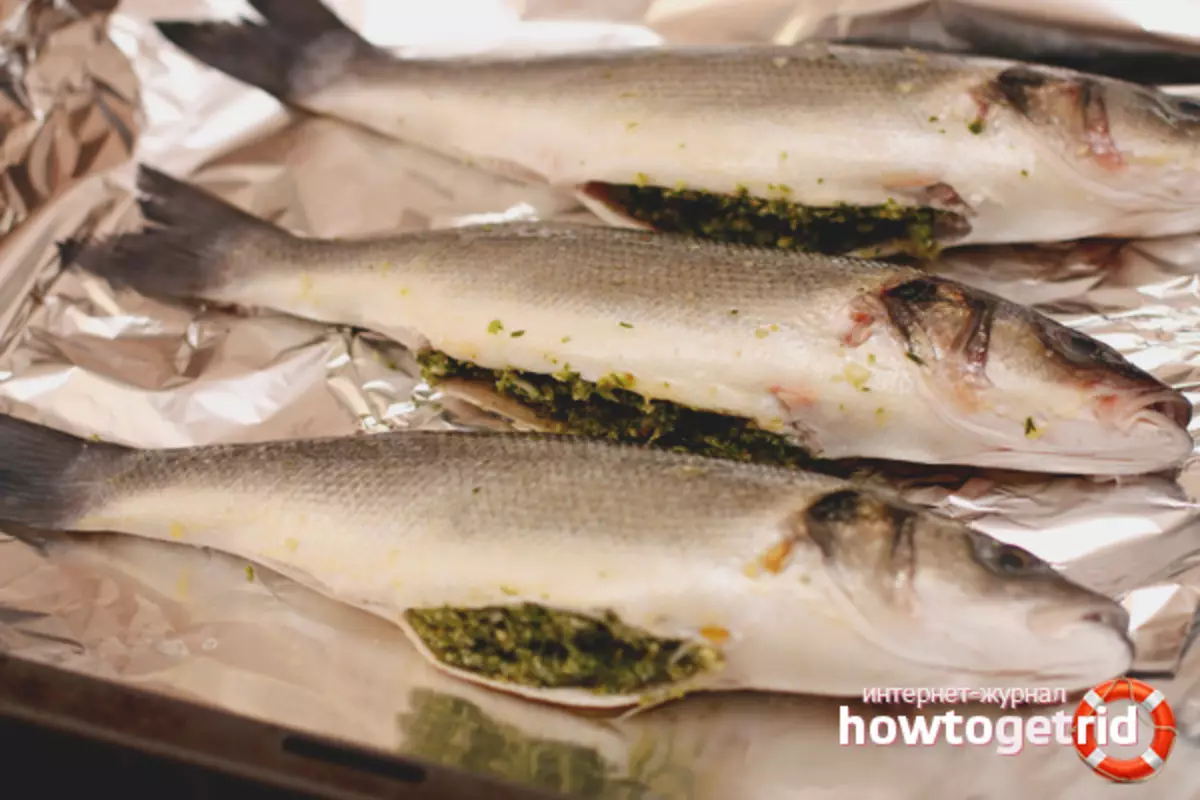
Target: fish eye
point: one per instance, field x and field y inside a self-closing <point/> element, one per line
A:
<point x="1076" y="345"/>
<point x="1013" y="559"/>
<point x="1081" y="349"/>
<point x="1189" y="107"/>
<point x="1185" y="107"/>
<point x="1005" y="559"/>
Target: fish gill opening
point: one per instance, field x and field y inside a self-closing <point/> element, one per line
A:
<point x="743" y="218"/>
<point x="532" y="645"/>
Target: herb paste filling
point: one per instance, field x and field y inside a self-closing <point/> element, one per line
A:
<point x="535" y="646"/>
<point x="607" y="409"/>
<point x="777" y="222"/>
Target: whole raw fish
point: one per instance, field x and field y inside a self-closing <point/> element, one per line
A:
<point x="848" y="358"/>
<point x="1016" y="152"/>
<point x="595" y="574"/>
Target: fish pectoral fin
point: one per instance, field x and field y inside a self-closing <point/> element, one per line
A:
<point x="483" y="396"/>
<point x="928" y="191"/>
<point x="795" y="403"/>
<point x="556" y="656"/>
<point x="599" y="199"/>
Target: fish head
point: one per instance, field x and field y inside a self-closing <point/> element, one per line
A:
<point x="1117" y="136"/>
<point x="1026" y="392"/>
<point x="903" y="573"/>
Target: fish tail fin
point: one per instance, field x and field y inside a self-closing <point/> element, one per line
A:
<point x="300" y="48"/>
<point x="191" y="244"/>
<point x="48" y="478"/>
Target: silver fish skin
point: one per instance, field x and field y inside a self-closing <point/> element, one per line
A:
<point x="849" y="358"/>
<point x="816" y="585"/>
<point x="1019" y="152"/>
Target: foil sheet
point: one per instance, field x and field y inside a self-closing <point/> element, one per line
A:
<point x="89" y="89"/>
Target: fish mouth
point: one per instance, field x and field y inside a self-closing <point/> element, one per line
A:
<point x="1101" y="621"/>
<point x="1154" y="405"/>
<point x="1092" y="647"/>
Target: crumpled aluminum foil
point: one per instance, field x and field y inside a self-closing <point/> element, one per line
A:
<point x="81" y="357"/>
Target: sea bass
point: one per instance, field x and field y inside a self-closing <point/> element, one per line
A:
<point x="1014" y="152"/>
<point x="593" y="574"/>
<point x="848" y="358"/>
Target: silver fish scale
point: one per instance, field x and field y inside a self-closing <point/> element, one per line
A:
<point x="588" y="269"/>
<point x="486" y="486"/>
<point x="808" y="79"/>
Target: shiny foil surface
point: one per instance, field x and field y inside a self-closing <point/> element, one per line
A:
<point x="90" y="88"/>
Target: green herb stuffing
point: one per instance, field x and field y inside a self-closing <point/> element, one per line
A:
<point x="778" y="222"/>
<point x="608" y="409"/>
<point x="532" y="645"/>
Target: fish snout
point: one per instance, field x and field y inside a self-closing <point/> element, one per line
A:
<point x="1101" y="612"/>
<point x="1156" y="404"/>
<point x="1108" y="615"/>
<point x="1171" y="405"/>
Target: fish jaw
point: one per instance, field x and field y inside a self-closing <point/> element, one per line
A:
<point x="1002" y="653"/>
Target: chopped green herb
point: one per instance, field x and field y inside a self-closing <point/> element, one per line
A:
<point x="495" y="326"/>
<point x="533" y="645"/>
<point x="778" y="222"/>
<point x="609" y="409"/>
<point x="624" y="324"/>
<point x="517" y="334"/>
<point x="933" y="118"/>
<point x="975" y="126"/>
<point x="566" y="339"/>
<point x="250" y="572"/>
<point x="1031" y="429"/>
<point x="1024" y="173"/>
<point x="916" y="359"/>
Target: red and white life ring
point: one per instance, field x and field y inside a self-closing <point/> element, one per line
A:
<point x="1126" y="769"/>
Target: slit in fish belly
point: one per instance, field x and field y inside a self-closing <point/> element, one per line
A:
<point x="610" y="409"/>
<point x="742" y="218"/>
<point x="535" y="646"/>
